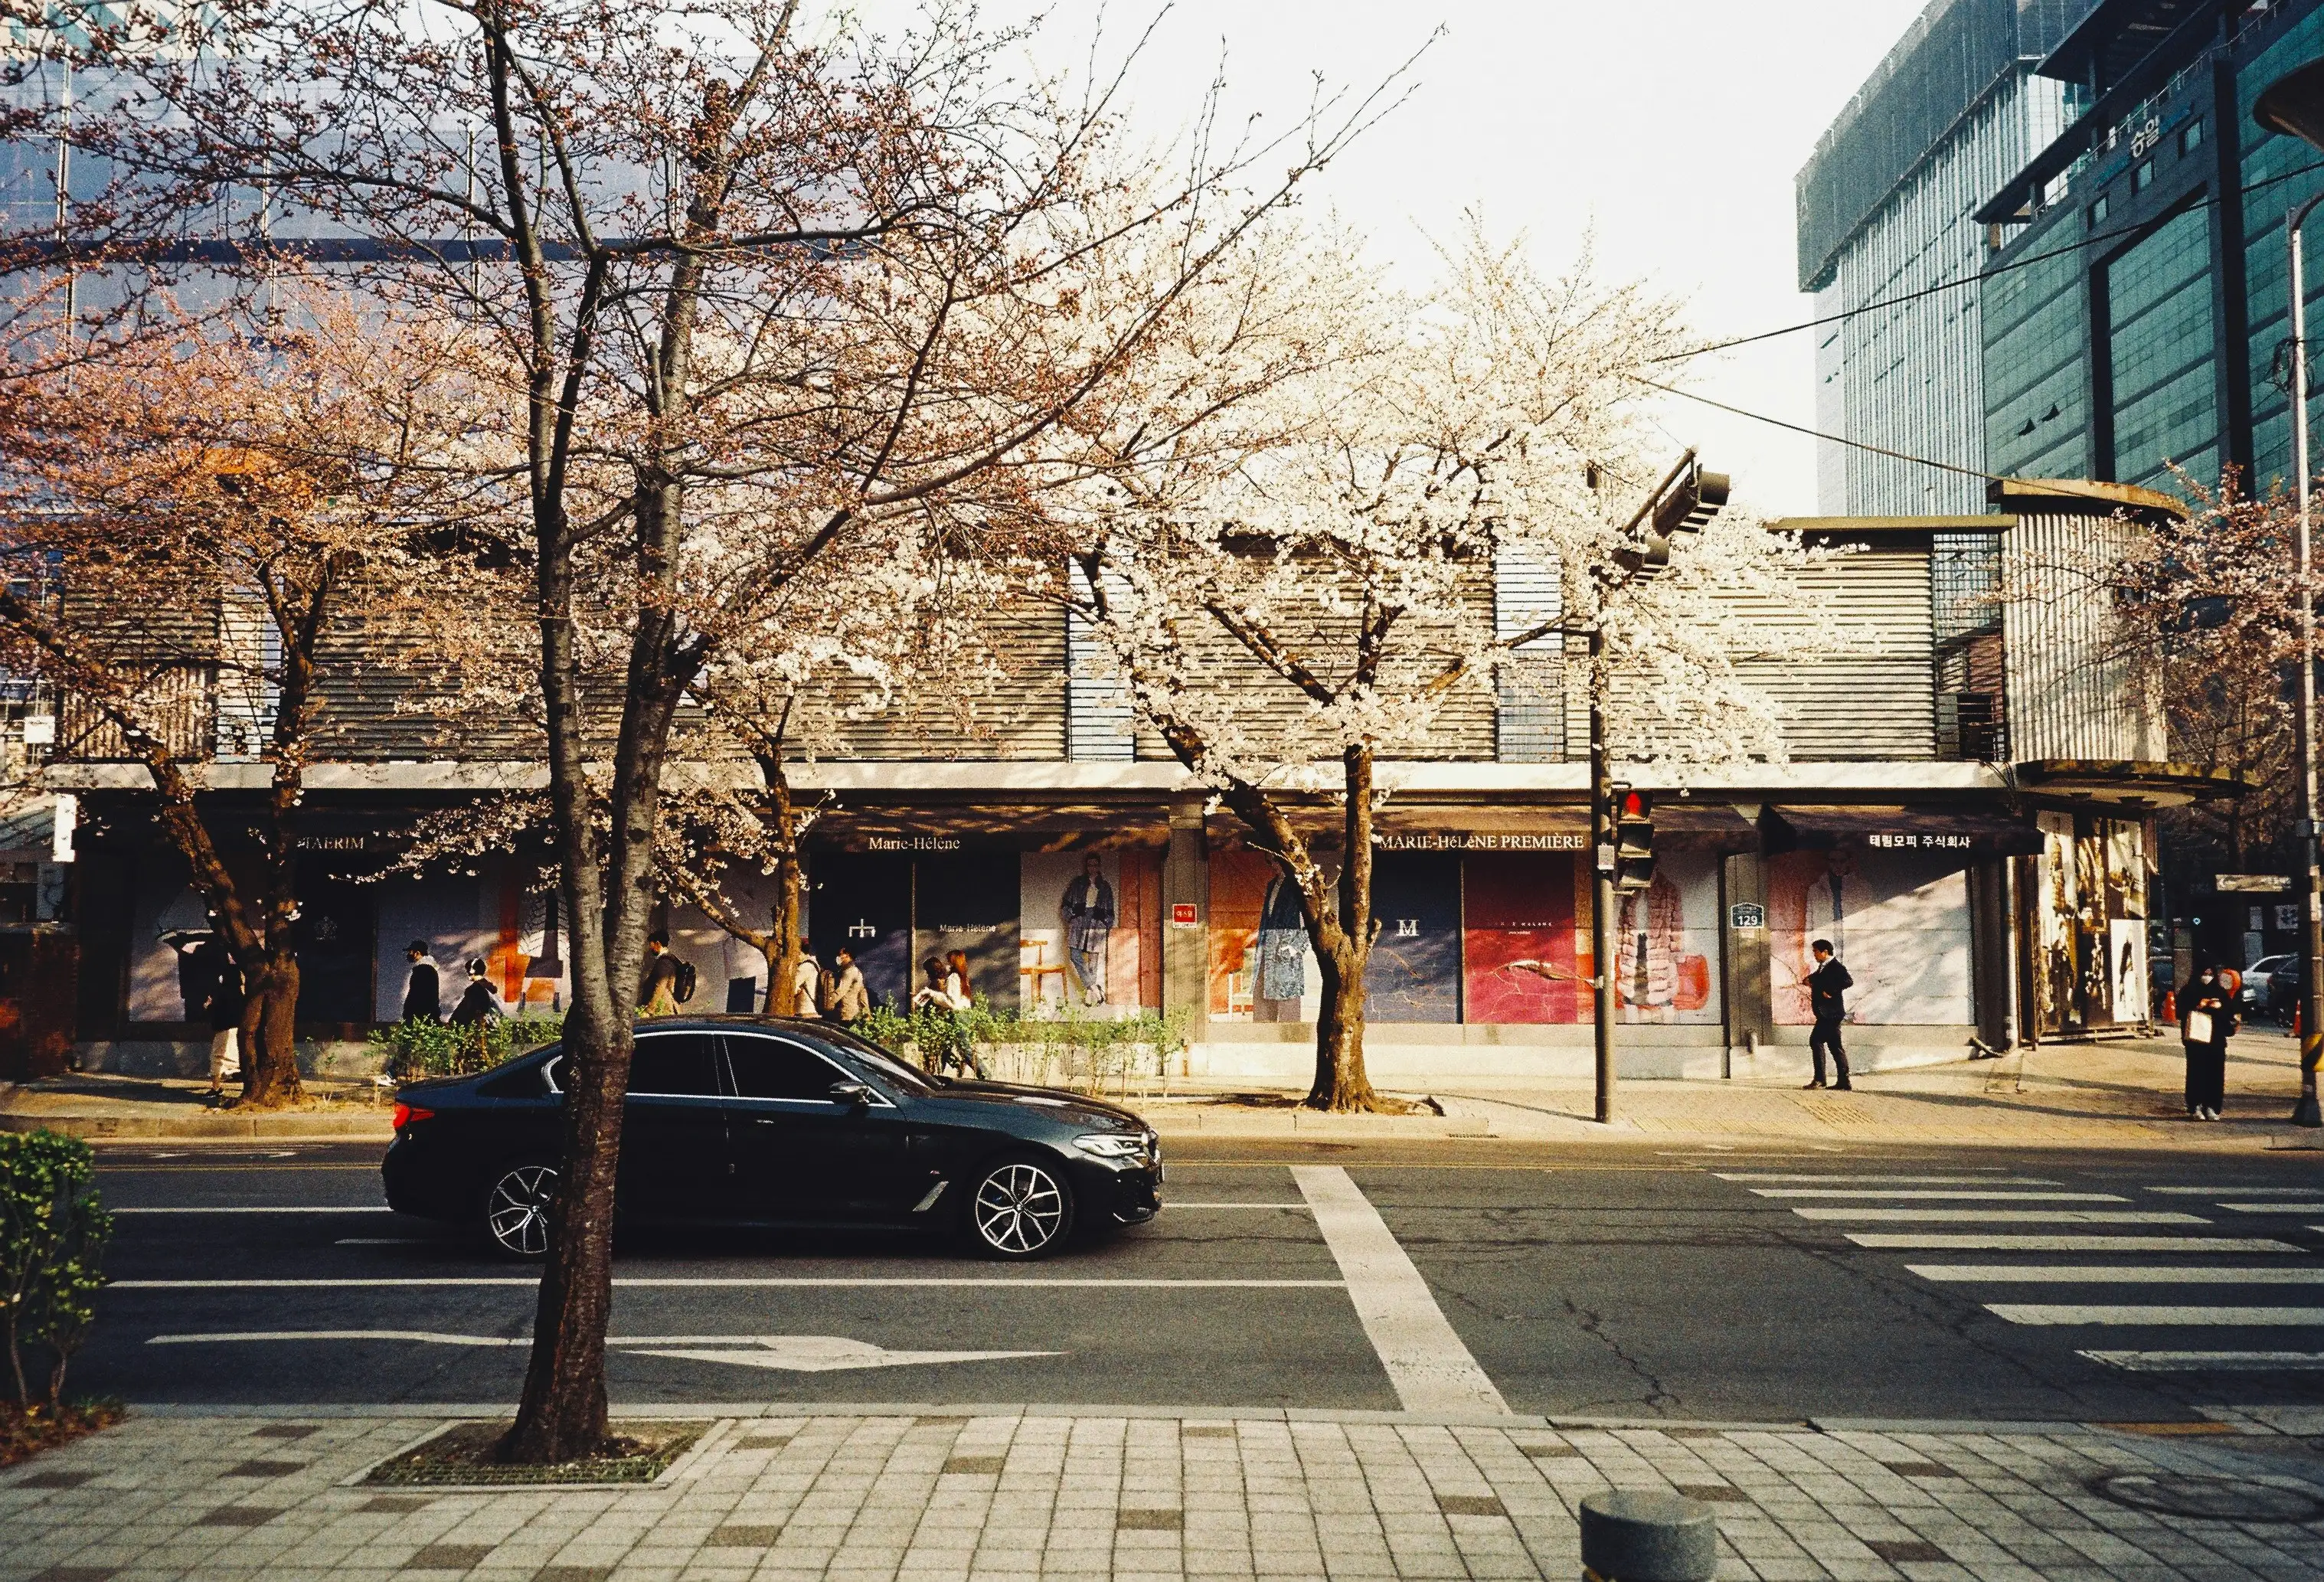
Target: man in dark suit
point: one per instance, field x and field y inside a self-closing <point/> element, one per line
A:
<point x="1828" y="988"/>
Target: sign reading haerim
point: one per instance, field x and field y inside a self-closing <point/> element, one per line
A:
<point x="1917" y="842"/>
<point x="1480" y="841"/>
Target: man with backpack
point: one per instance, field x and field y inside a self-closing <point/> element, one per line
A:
<point x="668" y="982"/>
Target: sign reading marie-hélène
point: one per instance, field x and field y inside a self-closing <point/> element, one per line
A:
<point x="913" y="843"/>
<point x="1481" y="841"/>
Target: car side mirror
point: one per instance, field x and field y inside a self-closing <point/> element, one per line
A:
<point x="851" y="1093"/>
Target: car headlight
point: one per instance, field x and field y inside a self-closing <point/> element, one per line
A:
<point x="1111" y="1145"/>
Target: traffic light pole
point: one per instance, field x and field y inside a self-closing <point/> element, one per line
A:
<point x="2312" y="907"/>
<point x="1601" y="861"/>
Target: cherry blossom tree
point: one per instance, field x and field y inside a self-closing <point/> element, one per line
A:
<point x="748" y="289"/>
<point x="216" y="508"/>
<point x="1304" y="599"/>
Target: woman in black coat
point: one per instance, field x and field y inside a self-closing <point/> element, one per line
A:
<point x="2207" y="1018"/>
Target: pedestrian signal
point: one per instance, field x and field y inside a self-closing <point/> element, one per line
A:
<point x="1634" y="841"/>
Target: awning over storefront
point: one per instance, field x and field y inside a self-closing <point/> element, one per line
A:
<point x="988" y="825"/>
<point x="1964" y="832"/>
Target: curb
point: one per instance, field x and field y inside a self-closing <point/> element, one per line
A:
<point x="1556" y="1421"/>
<point x="288" y="1126"/>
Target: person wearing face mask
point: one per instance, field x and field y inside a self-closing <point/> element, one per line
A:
<point x="2207" y="1019"/>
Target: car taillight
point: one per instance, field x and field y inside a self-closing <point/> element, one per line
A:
<point x="405" y="1115"/>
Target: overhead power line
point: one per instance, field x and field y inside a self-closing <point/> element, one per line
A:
<point x="2095" y="239"/>
<point x="1819" y="434"/>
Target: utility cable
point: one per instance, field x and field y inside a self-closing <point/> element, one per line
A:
<point x="2093" y="240"/>
<point x="1819" y="434"/>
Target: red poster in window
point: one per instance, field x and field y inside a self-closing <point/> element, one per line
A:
<point x="1518" y="938"/>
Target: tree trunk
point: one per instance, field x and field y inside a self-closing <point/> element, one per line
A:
<point x="783" y="945"/>
<point x="1343" y="948"/>
<point x="1340" y="1083"/>
<point x="270" y="1045"/>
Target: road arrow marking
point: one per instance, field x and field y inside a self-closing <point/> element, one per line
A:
<point x="799" y="1353"/>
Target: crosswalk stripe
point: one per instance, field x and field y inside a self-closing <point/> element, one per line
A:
<point x="1939" y="1241"/>
<point x="2174" y="1317"/>
<point x="2119" y="1273"/>
<point x="2225" y="1362"/>
<point x="2230" y="1191"/>
<point x="1937" y="1194"/>
<point x="2309" y="1208"/>
<point x="1899" y="1179"/>
<point x="2010" y="1216"/>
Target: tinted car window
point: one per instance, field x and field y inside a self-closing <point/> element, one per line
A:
<point x="684" y="1064"/>
<point x="895" y="1072"/>
<point x="776" y="1068"/>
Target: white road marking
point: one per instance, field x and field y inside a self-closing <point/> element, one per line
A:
<point x="1301" y="1207"/>
<point x="1425" y="1360"/>
<point x="2119" y="1273"/>
<point x="2230" y="1191"/>
<point x="393" y="1241"/>
<point x="1941" y="1242"/>
<point x="1898" y="1179"/>
<point x="266" y="1209"/>
<point x="801" y="1353"/>
<point x="810" y="1354"/>
<point x="2225" y="1362"/>
<point x="2006" y="1197"/>
<point x="2307" y="1208"/>
<point x="2010" y="1216"/>
<point x="657" y="1281"/>
<point x="2212" y="1317"/>
<point x="417" y="1337"/>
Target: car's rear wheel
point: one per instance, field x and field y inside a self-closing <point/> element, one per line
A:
<point x="516" y="1209"/>
<point x="1019" y="1207"/>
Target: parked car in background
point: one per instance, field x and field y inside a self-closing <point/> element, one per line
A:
<point x="763" y="1121"/>
<point x="2284" y="990"/>
<point x="2253" y="998"/>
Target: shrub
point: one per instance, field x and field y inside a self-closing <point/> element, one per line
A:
<point x="1071" y="1051"/>
<point x="437" y="1049"/>
<point x="52" y="1237"/>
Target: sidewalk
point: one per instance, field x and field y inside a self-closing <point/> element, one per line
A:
<point x="1024" y="1492"/>
<point x="2080" y="1094"/>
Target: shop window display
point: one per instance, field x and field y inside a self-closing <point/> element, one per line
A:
<point x="1899" y="920"/>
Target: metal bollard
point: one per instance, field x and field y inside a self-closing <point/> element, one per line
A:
<point x="1633" y="1535"/>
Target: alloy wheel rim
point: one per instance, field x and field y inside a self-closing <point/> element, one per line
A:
<point x="1019" y="1209"/>
<point x="518" y="1216"/>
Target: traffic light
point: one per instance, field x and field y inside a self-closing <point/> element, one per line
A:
<point x="1634" y="839"/>
<point x="1681" y="503"/>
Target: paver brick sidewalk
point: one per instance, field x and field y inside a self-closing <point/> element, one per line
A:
<point x="1029" y="1493"/>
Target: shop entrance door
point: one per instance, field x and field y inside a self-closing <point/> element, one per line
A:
<point x="863" y="902"/>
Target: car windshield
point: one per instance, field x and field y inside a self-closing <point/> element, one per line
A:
<point x="909" y="1078"/>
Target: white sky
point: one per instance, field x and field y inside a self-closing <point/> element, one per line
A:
<point x="1674" y="125"/>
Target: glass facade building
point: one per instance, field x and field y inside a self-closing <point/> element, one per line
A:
<point x="2134" y="295"/>
<point x="1884" y="211"/>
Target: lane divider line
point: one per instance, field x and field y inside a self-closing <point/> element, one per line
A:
<point x="739" y="1282"/>
<point x="1426" y="1362"/>
<point x="2119" y="1274"/>
<point x="2212" y="1317"/>
<point x="1939" y="1241"/>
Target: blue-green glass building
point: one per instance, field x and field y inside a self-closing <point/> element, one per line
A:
<point x="2133" y="294"/>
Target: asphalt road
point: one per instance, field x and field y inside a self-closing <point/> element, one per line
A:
<point x="1619" y="1280"/>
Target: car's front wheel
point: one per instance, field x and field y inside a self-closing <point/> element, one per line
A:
<point x="1019" y="1207"/>
<point x="516" y="1209"/>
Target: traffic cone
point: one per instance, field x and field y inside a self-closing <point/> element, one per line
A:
<point x="2170" y="1005"/>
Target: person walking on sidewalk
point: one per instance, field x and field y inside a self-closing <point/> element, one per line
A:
<point x="660" y="991"/>
<point x="849" y="1000"/>
<point x="423" y="994"/>
<point x="2207" y="1019"/>
<point x="807" y="979"/>
<point x="1828" y="988"/>
<point x="226" y="1007"/>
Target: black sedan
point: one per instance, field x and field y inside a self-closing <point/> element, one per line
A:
<point x="761" y="1121"/>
